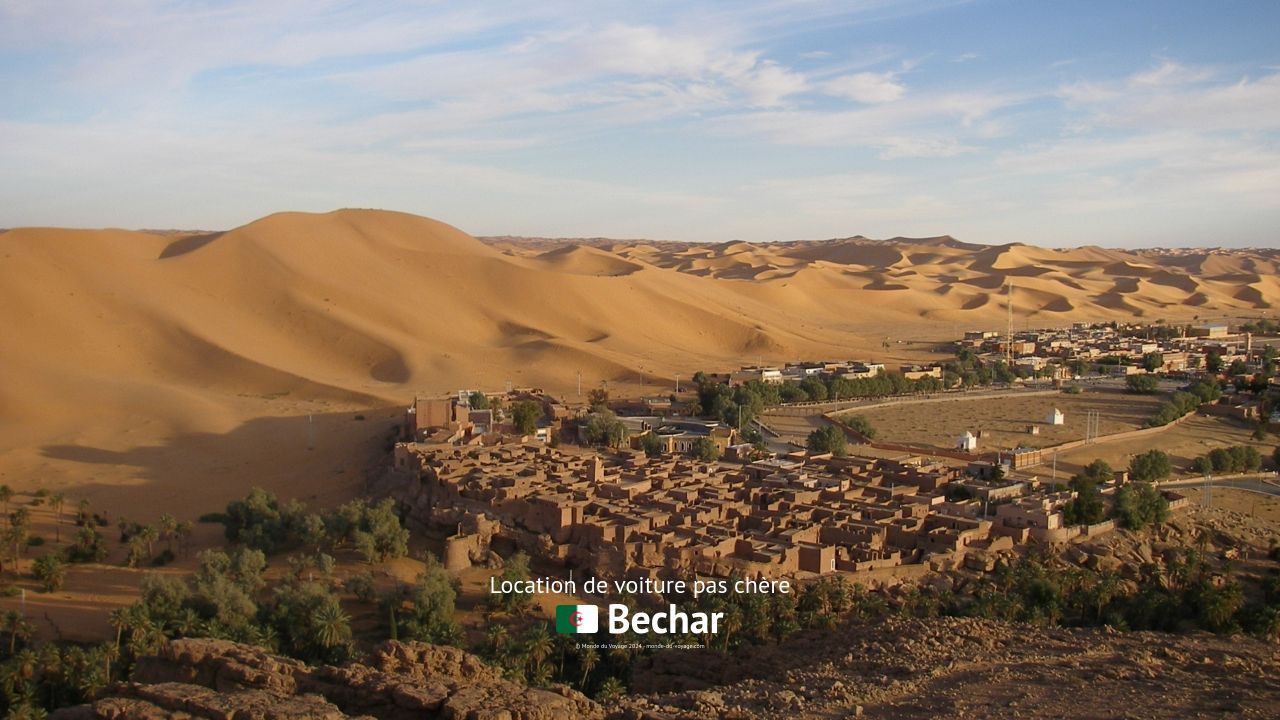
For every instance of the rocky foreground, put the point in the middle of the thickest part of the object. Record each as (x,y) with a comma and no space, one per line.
(896,668)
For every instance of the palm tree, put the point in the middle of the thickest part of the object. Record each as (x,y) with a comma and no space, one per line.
(17,627)
(538,646)
(55,501)
(588,658)
(183,532)
(332,626)
(52,673)
(149,535)
(82,513)
(611,687)
(498,637)
(186,623)
(168,530)
(137,550)
(121,619)
(6,494)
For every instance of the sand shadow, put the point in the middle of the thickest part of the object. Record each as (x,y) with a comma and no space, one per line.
(187,244)
(323,458)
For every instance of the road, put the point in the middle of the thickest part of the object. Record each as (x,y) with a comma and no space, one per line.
(1264,483)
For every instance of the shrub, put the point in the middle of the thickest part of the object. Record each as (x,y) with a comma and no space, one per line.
(862,425)
(827,438)
(1150,466)
(1138,505)
(50,571)
(1142,384)
(705,450)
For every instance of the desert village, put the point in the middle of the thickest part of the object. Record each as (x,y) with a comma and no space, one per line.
(797,514)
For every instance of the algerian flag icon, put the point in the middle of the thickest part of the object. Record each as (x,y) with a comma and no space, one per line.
(574,619)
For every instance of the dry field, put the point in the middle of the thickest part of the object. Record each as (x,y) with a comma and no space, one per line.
(1004,421)
(1183,442)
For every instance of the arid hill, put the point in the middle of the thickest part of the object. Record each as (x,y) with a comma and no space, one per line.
(186,367)
(900,668)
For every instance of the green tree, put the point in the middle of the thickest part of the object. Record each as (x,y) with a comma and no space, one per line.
(478,401)
(50,570)
(1142,384)
(705,450)
(604,428)
(862,425)
(1153,361)
(598,398)
(525,415)
(56,501)
(827,438)
(651,444)
(1138,505)
(1150,466)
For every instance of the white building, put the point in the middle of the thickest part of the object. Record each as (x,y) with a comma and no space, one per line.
(968,442)
(1056,417)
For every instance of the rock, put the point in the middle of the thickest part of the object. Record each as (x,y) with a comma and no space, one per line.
(216,680)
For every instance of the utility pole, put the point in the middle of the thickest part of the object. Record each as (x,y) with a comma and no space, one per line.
(677,383)
(311,432)
(1008,337)
(579,383)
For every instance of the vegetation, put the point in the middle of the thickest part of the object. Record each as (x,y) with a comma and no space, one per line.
(738,406)
(1139,504)
(1142,384)
(525,415)
(1150,466)
(1234,459)
(1087,507)
(705,450)
(261,522)
(516,569)
(1182,403)
(1152,361)
(827,438)
(651,444)
(51,571)
(604,428)
(861,425)
(478,401)
(1183,593)
(425,611)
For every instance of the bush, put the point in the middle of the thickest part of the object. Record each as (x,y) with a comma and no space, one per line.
(525,415)
(1142,384)
(1150,466)
(827,438)
(862,425)
(651,444)
(705,450)
(1234,459)
(361,585)
(214,518)
(1138,505)
(50,571)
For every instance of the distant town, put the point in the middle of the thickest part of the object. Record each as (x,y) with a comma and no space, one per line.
(697,483)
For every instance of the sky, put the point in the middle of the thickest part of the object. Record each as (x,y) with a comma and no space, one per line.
(1127,124)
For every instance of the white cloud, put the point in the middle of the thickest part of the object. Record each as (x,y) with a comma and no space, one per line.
(867,87)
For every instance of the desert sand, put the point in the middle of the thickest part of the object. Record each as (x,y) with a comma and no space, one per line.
(170,372)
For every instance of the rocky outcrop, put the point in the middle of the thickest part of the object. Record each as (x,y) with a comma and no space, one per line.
(220,680)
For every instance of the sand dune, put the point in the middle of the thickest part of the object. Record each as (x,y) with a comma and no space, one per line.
(137,364)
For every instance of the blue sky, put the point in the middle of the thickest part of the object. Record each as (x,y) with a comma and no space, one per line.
(1113,123)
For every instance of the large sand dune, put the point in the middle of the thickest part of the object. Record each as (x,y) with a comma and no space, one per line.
(173,371)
